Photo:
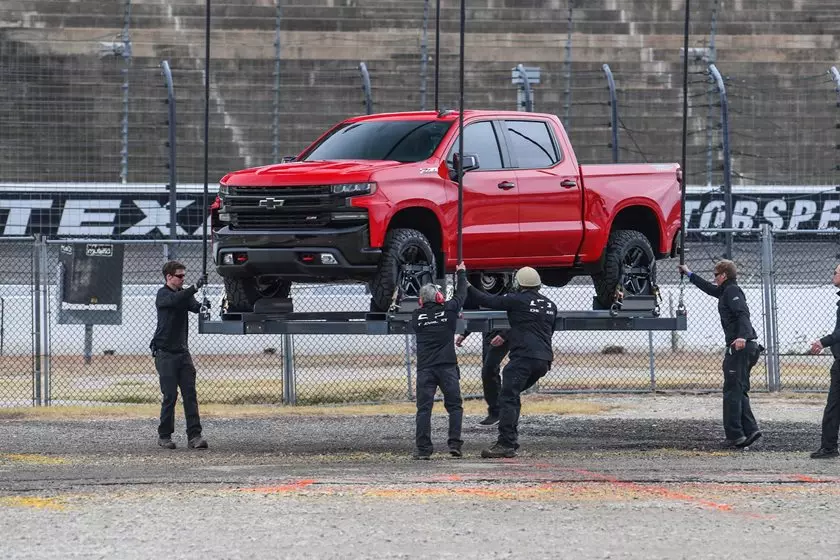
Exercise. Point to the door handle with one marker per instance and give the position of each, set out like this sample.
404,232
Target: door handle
506,185
568,183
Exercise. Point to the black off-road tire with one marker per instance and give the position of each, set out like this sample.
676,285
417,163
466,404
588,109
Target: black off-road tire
624,245
397,243
242,293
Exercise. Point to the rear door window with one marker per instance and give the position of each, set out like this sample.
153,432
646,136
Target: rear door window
531,144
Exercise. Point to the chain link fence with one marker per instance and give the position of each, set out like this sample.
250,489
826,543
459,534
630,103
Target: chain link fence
18,382
59,348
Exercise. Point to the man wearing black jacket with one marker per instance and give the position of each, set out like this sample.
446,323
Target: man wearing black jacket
434,324
172,355
831,414
494,348
742,351
532,318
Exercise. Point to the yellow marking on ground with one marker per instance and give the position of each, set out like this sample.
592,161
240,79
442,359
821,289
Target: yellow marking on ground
32,502
32,459
530,405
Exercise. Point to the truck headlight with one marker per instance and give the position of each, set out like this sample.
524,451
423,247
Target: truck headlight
354,188
224,190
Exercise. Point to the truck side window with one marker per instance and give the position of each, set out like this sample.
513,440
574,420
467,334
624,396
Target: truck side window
480,139
531,142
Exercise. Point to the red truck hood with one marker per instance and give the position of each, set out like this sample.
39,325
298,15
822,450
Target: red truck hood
307,173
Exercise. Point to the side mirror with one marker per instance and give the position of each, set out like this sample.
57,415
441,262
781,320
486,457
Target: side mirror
470,163
287,159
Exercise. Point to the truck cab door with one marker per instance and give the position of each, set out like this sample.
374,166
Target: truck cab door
491,214
550,224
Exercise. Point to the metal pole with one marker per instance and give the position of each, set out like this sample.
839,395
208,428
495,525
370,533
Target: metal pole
567,117
45,324
651,362
437,52
88,352
424,55
2,323
205,200
366,87
684,142
289,388
36,318
409,385
675,335
275,142
170,121
767,301
126,55
613,111
835,75
713,60
526,87
727,159
461,138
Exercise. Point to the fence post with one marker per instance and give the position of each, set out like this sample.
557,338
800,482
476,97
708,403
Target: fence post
171,124
613,111
366,87
275,139
424,55
524,88
835,75
768,290
712,59
126,56
289,383
567,105
45,323
409,384
727,158
36,319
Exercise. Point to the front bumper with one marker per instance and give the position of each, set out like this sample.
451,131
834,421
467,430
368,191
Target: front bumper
296,255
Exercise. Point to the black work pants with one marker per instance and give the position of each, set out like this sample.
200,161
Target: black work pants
831,415
428,380
491,379
738,419
176,370
520,374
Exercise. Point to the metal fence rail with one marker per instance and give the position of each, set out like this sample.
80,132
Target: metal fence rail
52,353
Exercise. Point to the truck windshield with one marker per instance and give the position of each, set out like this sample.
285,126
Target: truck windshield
403,141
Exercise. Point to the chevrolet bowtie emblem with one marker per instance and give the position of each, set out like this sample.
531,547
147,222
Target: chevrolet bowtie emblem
270,203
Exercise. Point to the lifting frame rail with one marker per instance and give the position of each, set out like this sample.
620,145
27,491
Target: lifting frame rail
638,314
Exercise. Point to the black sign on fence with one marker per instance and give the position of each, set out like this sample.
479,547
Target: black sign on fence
90,284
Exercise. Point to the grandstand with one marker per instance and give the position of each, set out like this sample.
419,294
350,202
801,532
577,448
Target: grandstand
64,67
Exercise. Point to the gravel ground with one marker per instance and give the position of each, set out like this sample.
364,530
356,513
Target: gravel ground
645,479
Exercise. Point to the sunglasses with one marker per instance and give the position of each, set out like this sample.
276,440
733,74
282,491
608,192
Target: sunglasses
719,274
181,276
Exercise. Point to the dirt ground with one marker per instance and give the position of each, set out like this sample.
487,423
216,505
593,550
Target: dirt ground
618,476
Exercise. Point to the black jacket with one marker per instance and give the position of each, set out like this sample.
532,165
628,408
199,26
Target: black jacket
531,316
435,325
472,304
833,340
172,320
732,306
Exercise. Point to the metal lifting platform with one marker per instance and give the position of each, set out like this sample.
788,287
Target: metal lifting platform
274,316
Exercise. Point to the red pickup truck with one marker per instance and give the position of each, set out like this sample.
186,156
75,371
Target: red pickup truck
375,199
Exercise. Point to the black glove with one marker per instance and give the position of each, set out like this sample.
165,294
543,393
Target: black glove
200,282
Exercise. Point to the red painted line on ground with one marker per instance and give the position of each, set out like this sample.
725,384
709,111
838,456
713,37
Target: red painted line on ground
293,487
665,493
